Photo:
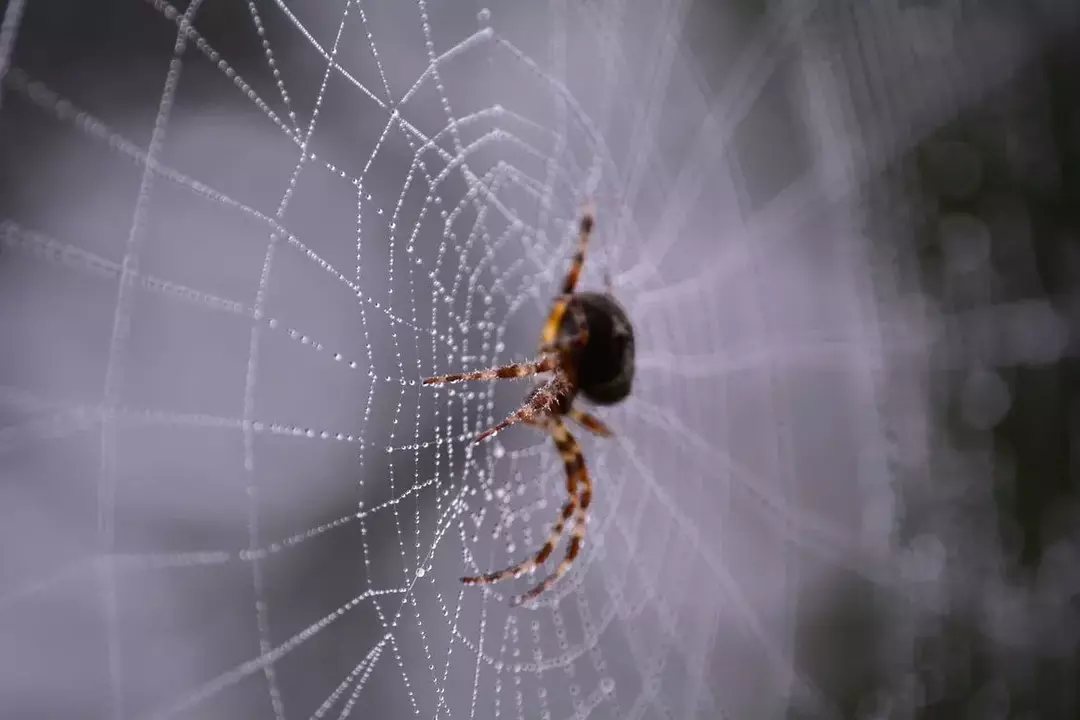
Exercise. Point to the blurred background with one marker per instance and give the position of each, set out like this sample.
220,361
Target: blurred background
236,234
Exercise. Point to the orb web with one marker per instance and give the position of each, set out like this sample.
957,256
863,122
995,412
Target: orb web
237,258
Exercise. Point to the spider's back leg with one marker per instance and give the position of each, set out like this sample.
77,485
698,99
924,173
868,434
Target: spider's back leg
577,476
590,422
553,538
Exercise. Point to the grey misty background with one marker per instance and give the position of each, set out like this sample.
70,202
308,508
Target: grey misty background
846,487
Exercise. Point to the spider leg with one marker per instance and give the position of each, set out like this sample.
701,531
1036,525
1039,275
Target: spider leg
545,552
538,402
588,220
551,328
578,339
505,372
577,476
590,422
554,321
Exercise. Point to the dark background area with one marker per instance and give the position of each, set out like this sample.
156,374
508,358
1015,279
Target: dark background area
996,634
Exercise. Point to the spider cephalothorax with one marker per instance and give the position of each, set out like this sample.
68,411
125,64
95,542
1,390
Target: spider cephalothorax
587,346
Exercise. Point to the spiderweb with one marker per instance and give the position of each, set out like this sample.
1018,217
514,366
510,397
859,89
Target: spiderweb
238,241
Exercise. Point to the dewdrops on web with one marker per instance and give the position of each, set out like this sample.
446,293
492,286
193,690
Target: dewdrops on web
560,635
295,431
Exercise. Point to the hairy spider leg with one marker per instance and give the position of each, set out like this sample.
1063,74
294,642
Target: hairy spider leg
553,538
554,321
506,372
588,220
538,402
590,422
577,476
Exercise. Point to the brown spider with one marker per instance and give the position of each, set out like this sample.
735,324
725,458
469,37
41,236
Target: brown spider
587,345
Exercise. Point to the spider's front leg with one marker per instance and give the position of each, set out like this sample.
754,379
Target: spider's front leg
505,372
585,228
567,342
554,321
538,403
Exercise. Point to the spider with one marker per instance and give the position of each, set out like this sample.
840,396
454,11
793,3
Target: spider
587,346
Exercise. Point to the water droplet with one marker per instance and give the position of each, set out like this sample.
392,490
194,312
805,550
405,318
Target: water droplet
420,572
484,16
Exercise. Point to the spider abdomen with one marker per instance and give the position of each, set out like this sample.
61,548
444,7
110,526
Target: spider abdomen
605,364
